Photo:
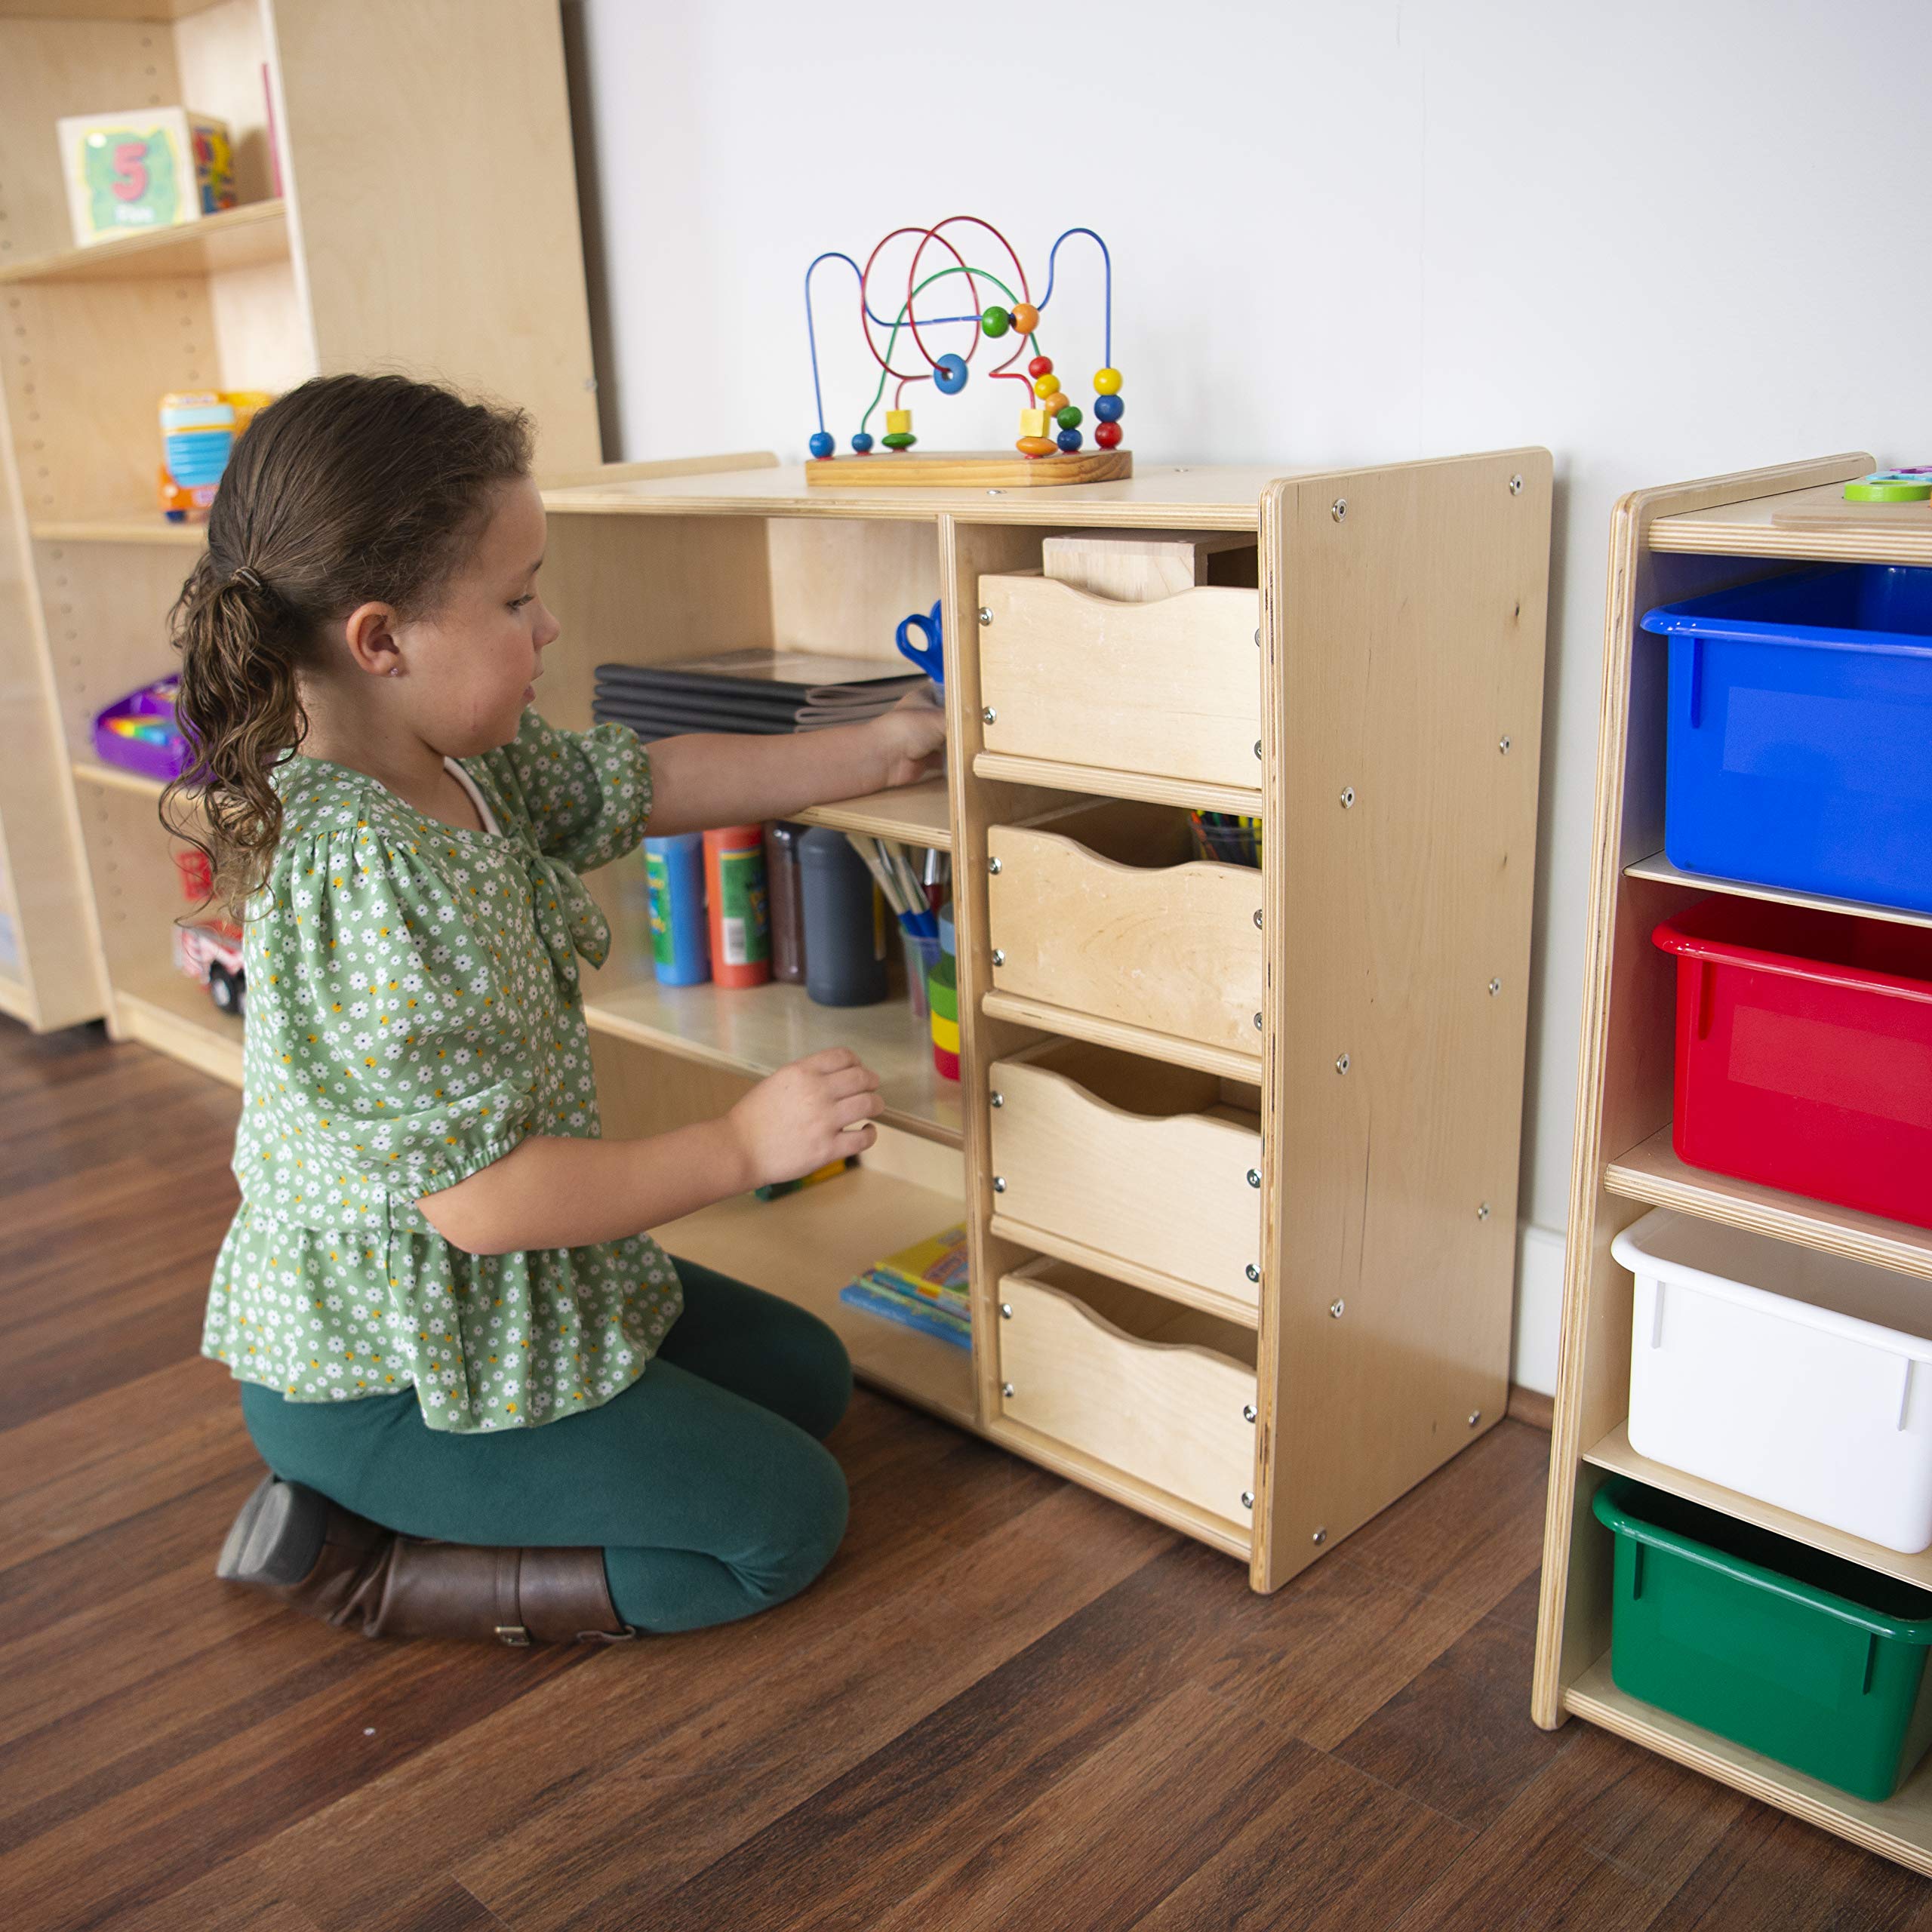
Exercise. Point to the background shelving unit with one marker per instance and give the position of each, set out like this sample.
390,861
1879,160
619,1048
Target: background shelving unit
1668,544
365,259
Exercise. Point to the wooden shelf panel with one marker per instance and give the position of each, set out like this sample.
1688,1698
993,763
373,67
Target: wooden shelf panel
1656,867
1653,1172
759,1029
116,778
1850,533
1614,1452
805,1246
1106,782
1074,1026
147,526
1900,1829
914,814
243,237
174,1015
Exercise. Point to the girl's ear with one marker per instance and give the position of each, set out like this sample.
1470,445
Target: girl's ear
369,630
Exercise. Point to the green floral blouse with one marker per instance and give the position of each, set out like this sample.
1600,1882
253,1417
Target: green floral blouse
413,1010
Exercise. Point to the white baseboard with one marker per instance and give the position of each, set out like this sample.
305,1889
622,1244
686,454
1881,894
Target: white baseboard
1538,1307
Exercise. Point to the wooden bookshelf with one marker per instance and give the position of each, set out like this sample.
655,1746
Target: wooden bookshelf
1668,544
239,238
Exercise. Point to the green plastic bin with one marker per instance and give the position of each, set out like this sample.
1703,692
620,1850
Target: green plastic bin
1803,1657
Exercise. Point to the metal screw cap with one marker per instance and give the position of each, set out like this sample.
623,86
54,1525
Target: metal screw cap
1347,796
988,713
1341,1063
1475,1417
1320,1536
986,616
1257,1022
995,1099
999,957
999,1183
992,865
1495,987
1249,1412
1335,1308
1257,748
1254,1177
1338,509
1006,1389
1515,486
1247,1499
1253,1272
1006,1311
1257,918
1482,1211
1503,746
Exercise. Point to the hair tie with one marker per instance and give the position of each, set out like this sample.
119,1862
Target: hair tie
245,575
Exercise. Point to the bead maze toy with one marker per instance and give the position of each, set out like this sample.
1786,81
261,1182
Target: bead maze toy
1049,448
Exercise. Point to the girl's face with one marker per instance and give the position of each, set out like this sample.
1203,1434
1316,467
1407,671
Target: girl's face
472,664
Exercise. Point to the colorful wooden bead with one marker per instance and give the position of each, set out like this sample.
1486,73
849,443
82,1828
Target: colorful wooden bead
1046,385
898,420
1069,417
821,444
1106,381
1032,422
1055,403
862,441
1107,435
1041,366
1026,317
995,322
1069,440
1109,408
899,439
949,374
1035,446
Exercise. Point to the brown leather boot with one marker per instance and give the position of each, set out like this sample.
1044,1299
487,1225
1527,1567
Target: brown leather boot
350,1572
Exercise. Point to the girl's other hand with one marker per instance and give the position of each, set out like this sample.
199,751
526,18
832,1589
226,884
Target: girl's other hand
910,735
813,1111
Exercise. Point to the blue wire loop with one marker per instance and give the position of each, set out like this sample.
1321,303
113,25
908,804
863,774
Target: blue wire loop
811,336
1107,298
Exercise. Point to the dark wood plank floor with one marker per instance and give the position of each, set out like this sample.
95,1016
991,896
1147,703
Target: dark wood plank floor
1007,1705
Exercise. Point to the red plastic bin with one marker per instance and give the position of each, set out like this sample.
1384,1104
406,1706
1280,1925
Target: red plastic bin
1804,1052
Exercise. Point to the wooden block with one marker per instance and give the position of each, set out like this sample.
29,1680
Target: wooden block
898,421
1141,568
1032,422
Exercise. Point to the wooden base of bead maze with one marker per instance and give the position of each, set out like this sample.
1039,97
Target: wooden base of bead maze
911,469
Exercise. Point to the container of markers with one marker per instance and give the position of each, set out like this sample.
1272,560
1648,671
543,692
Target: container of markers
1230,838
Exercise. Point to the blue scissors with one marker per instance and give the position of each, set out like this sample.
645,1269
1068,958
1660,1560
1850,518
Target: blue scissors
931,657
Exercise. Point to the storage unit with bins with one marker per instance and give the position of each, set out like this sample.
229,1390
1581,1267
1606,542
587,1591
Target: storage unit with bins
368,256
1784,1337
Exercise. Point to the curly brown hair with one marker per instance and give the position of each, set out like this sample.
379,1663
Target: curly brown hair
350,490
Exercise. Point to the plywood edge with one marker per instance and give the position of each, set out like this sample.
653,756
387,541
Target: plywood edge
1171,1287
1076,1025
1005,768
603,475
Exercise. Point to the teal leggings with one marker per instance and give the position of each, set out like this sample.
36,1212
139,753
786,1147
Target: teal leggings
704,1483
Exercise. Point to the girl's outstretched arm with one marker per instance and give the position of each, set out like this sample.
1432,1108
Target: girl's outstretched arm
719,778
554,1191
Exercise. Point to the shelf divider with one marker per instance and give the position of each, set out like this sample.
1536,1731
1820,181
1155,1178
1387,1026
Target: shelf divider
246,237
1659,869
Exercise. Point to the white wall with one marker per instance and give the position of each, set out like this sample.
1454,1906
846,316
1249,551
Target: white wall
1663,239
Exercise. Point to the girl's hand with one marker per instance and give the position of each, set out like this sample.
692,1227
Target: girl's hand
813,1111
909,736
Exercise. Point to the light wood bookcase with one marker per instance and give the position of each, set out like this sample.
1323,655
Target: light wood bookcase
401,240
1667,544
1308,1078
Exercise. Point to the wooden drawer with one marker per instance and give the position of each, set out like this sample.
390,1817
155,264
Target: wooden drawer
1135,931
1144,1169
1163,1393
1172,688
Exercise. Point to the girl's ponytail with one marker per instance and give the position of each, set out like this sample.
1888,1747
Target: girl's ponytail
241,711
350,490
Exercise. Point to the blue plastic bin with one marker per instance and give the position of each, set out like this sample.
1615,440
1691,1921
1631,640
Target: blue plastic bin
1800,748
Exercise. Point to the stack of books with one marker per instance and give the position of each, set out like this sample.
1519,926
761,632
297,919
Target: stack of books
923,1286
763,691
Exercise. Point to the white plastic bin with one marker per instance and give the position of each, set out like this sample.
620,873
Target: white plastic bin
1796,1377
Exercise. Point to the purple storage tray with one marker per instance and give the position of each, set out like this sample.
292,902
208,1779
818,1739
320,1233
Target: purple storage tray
153,761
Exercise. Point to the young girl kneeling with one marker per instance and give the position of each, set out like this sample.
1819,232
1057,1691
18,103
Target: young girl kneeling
446,1320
